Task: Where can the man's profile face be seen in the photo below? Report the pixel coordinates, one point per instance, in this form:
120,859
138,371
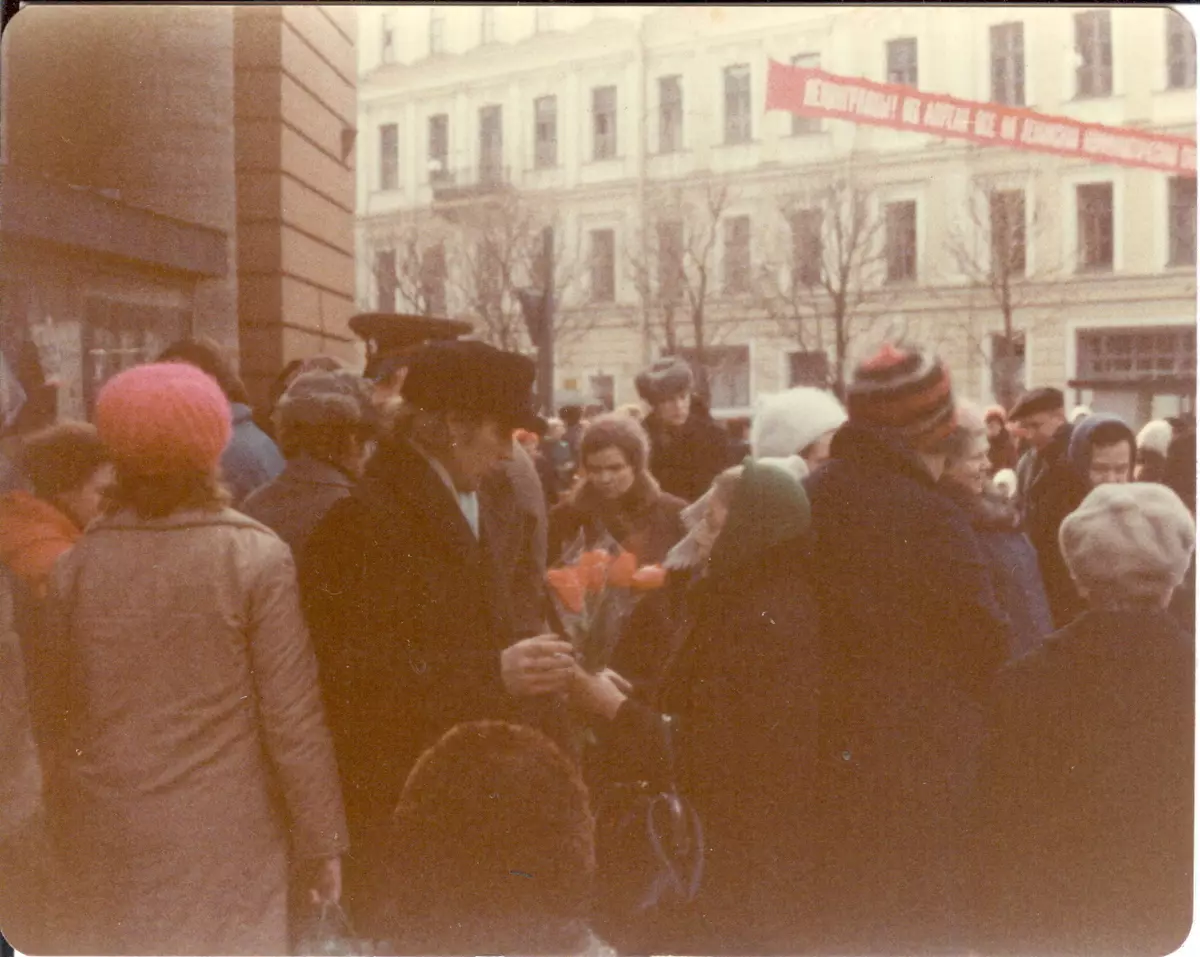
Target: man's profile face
674,411
1111,464
1040,427
475,449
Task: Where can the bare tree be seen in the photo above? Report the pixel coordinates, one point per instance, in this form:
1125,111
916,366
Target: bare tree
988,244
819,287
673,268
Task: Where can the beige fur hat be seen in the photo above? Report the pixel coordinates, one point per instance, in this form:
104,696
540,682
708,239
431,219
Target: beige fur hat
1131,542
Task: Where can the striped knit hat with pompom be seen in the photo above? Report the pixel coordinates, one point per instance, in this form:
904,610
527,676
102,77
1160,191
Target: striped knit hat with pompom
165,418
905,392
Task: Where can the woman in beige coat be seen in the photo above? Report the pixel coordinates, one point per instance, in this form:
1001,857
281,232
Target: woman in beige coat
175,702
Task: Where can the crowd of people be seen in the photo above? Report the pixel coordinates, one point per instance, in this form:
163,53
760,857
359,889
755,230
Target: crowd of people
922,673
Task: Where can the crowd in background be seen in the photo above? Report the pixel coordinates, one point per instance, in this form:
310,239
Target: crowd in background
921,675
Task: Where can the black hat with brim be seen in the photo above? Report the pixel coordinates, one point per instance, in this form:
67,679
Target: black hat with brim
1038,400
473,378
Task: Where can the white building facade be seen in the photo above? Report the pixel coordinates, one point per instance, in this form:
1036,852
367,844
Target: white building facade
640,136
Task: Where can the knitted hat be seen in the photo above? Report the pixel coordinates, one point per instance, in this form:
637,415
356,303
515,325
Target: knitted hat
667,378
1156,436
788,422
163,419
1128,542
905,392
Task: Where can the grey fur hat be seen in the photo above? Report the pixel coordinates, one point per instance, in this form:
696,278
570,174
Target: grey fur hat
668,377
320,398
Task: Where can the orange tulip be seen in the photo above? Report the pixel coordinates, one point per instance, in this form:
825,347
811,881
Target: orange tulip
593,569
622,570
649,577
567,585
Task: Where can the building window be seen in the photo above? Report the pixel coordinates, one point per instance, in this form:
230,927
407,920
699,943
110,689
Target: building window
1093,51
604,122
806,125
1010,370
1094,208
439,146
1182,218
603,263
387,38
670,114
806,247
1007,214
737,104
491,144
1137,354
737,255
670,261
433,280
900,228
543,19
604,389
902,61
728,370
389,156
385,280
487,24
437,31
1181,53
545,134
808,369
1008,63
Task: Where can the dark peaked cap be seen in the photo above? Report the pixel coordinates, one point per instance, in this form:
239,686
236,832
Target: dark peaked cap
1038,400
473,378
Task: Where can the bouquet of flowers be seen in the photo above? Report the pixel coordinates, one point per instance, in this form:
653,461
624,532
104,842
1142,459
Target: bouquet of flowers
594,590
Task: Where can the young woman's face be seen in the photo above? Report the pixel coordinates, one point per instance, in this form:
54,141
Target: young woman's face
970,472
609,473
674,411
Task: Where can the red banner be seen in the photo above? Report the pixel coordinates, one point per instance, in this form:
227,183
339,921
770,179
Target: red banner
811,92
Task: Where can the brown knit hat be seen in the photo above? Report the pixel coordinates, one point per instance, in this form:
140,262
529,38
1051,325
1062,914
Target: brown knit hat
906,392
165,418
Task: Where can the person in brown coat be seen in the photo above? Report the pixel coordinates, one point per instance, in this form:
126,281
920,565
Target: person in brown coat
175,702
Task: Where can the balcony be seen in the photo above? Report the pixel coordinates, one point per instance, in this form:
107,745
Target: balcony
465,185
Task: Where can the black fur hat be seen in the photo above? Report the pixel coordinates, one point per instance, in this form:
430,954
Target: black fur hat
667,378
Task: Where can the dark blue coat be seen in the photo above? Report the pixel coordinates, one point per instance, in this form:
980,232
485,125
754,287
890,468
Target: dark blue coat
911,638
251,459
1086,792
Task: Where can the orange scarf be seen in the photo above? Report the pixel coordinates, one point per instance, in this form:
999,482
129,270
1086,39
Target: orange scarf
33,536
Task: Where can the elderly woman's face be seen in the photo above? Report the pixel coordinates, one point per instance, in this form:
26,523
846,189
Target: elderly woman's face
970,471
609,473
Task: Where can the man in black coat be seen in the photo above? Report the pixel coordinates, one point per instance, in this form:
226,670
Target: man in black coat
911,637
405,597
1048,490
1086,783
687,448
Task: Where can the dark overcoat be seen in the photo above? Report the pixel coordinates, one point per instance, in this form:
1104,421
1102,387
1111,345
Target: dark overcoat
685,460
1086,792
911,638
409,614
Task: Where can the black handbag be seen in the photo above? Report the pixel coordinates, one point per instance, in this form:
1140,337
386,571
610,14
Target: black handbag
649,846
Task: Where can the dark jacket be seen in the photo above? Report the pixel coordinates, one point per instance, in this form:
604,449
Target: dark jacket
741,693
1012,562
912,636
1052,489
1086,822
292,504
1002,452
251,459
686,460
409,613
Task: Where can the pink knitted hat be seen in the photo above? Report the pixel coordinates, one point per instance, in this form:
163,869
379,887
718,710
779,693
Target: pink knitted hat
163,419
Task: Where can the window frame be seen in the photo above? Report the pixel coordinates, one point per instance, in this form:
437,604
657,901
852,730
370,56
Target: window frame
806,125
389,160
1093,33
736,271
908,272
545,151
897,68
670,114
728,364
604,145
602,269
1000,201
433,278
431,125
1011,90
1179,29
1087,227
808,240
1178,253
385,270
670,271
486,167
737,88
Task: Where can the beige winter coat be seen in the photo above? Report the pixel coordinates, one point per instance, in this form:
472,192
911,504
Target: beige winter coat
176,704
